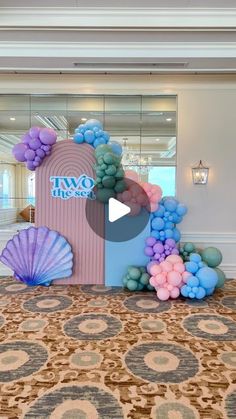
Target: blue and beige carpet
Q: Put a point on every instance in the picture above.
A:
(90, 352)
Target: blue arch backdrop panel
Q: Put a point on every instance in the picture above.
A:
(119, 255)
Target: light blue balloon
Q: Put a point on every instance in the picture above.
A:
(78, 138)
(99, 141)
(99, 133)
(170, 204)
(176, 235)
(169, 234)
(192, 267)
(106, 135)
(191, 295)
(155, 234)
(116, 147)
(175, 218)
(160, 212)
(193, 282)
(184, 290)
(207, 277)
(209, 291)
(169, 225)
(92, 123)
(158, 223)
(181, 209)
(89, 136)
(201, 293)
(195, 257)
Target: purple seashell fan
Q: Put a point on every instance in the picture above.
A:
(38, 256)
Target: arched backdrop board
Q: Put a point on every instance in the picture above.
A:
(68, 216)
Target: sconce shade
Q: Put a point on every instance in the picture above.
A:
(200, 174)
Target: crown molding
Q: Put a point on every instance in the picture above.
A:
(118, 49)
(115, 17)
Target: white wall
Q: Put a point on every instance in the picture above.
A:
(206, 130)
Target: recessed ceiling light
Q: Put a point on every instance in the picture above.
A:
(157, 139)
(12, 118)
(168, 119)
(84, 119)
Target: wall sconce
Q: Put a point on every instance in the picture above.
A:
(200, 174)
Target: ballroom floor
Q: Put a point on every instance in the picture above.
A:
(89, 352)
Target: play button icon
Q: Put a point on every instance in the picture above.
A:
(117, 210)
(115, 221)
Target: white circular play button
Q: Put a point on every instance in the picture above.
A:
(117, 210)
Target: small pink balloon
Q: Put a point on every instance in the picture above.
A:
(179, 267)
(134, 208)
(155, 269)
(126, 195)
(170, 287)
(174, 293)
(174, 259)
(163, 294)
(141, 199)
(174, 278)
(160, 279)
(186, 275)
(153, 207)
(152, 281)
(166, 266)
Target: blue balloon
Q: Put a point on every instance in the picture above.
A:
(181, 209)
(193, 282)
(184, 290)
(209, 291)
(116, 147)
(169, 234)
(99, 141)
(201, 293)
(195, 257)
(158, 223)
(175, 218)
(192, 267)
(78, 138)
(169, 225)
(160, 212)
(170, 204)
(106, 135)
(92, 123)
(89, 136)
(176, 235)
(207, 277)
(155, 234)
(99, 133)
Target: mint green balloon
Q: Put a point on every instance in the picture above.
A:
(221, 278)
(189, 247)
(102, 149)
(120, 186)
(108, 182)
(111, 170)
(211, 256)
(103, 195)
(103, 166)
(109, 158)
(132, 285)
(134, 273)
(144, 279)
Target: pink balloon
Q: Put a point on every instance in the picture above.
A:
(160, 279)
(126, 195)
(155, 269)
(166, 266)
(174, 278)
(153, 207)
(179, 267)
(174, 259)
(163, 294)
(134, 208)
(186, 275)
(174, 293)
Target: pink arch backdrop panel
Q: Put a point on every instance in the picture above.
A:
(68, 216)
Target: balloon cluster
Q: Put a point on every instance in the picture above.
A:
(139, 194)
(137, 279)
(109, 173)
(186, 249)
(159, 251)
(202, 280)
(168, 277)
(91, 132)
(34, 146)
(164, 220)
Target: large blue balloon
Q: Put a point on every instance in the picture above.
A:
(78, 138)
(158, 223)
(116, 147)
(207, 277)
(170, 204)
(92, 123)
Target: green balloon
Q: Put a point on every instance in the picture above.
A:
(103, 166)
(189, 247)
(120, 186)
(109, 182)
(212, 256)
(111, 170)
(144, 279)
(221, 278)
(134, 273)
(109, 158)
(100, 161)
(140, 287)
(150, 287)
(100, 173)
(102, 149)
(99, 185)
(120, 173)
(132, 285)
(142, 269)
(125, 280)
(103, 195)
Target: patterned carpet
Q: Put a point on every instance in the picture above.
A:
(101, 353)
